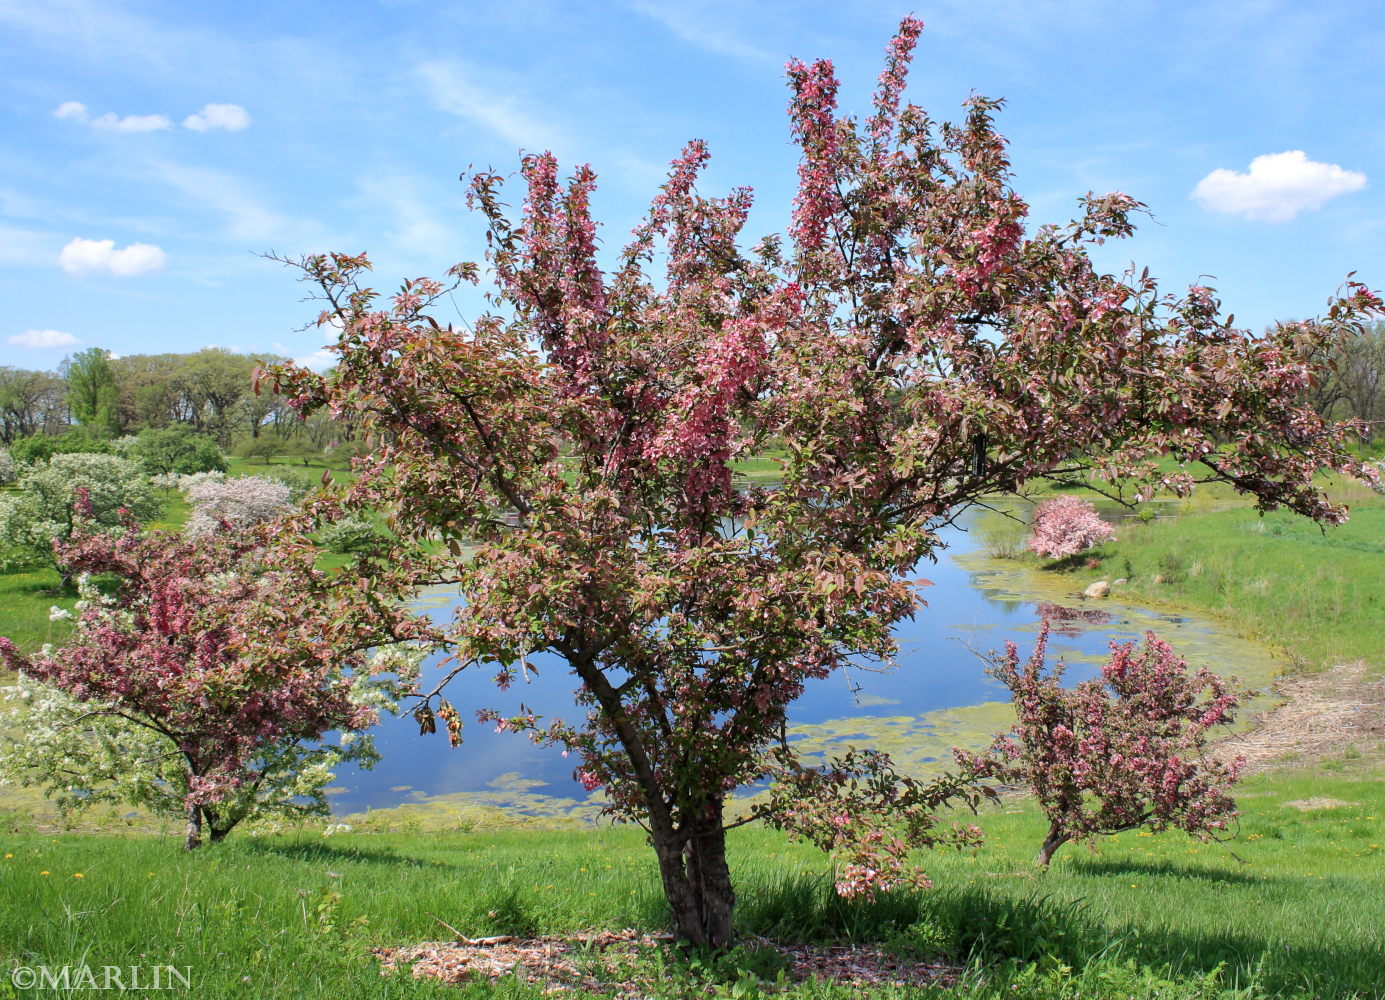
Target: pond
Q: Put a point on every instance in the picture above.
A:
(939, 697)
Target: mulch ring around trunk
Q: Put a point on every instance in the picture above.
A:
(631, 964)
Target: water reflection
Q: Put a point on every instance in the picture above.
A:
(940, 695)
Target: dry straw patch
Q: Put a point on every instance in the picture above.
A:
(1322, 716)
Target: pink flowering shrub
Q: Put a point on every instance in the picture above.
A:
(242, 502)
(1067, 525)
(214, 649)
(1125, 751)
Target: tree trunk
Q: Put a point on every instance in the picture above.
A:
(697, 885)
(193, 838)
(1056, 839)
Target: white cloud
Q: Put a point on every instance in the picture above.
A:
(248, 218)
(71, 109)
(1277, 187)
(319, 360)
(90, 256)
(454, 92)
(41, 340)
(704, 29)
(231, 117)
(111, 122)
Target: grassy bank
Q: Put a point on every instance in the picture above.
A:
(1317, 593)
(1300, 915)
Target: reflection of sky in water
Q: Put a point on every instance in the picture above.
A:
(973, 607)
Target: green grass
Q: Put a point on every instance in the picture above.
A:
(26, 598)
(1302, 914)
(1319, 594)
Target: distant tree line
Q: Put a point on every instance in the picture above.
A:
(210, 391)
(1354, 385)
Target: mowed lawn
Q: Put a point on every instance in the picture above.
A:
(1297, 910)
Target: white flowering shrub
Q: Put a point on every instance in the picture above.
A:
(123, 447)
(1378, 483)
(9, 468)
(41, 507)
(242, 502)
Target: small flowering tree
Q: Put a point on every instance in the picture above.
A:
(568, 460)
(1122, 752)
(241, 503)
(202, 687)
(40, 511)
(1065, 526)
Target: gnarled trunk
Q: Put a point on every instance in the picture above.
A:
(697, 884)
(1056, 838)
(192, 838)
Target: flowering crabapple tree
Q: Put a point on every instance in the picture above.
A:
(240, 503)
(911, 344)
(1122, 752)
(1065, 526)
(40, 510)
(201, 687)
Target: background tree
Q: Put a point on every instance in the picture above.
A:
(40, 510)
(1351, 383)
(30, 403)
(178, 450)
(1122, 752)
(1065, 526)
(91, 391)
(201, 688)
(910, 349)
(74, 441)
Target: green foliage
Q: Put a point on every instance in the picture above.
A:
(351, 534)
(92, 395)
(176, 450)
(42, 447)
(261, 449)
(1315, 593)
(40, 508)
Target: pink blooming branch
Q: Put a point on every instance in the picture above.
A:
(216, 645)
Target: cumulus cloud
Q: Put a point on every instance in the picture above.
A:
(319, 360)
(39, 340)
(100, 256)
(71, 109)
(231, 117)
(111, 122)
(1277, 187)
(131, 123)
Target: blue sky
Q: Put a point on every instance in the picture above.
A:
(149, 152)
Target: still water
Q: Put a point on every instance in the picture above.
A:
(939, 696)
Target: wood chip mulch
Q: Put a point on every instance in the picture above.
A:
(607, 962)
